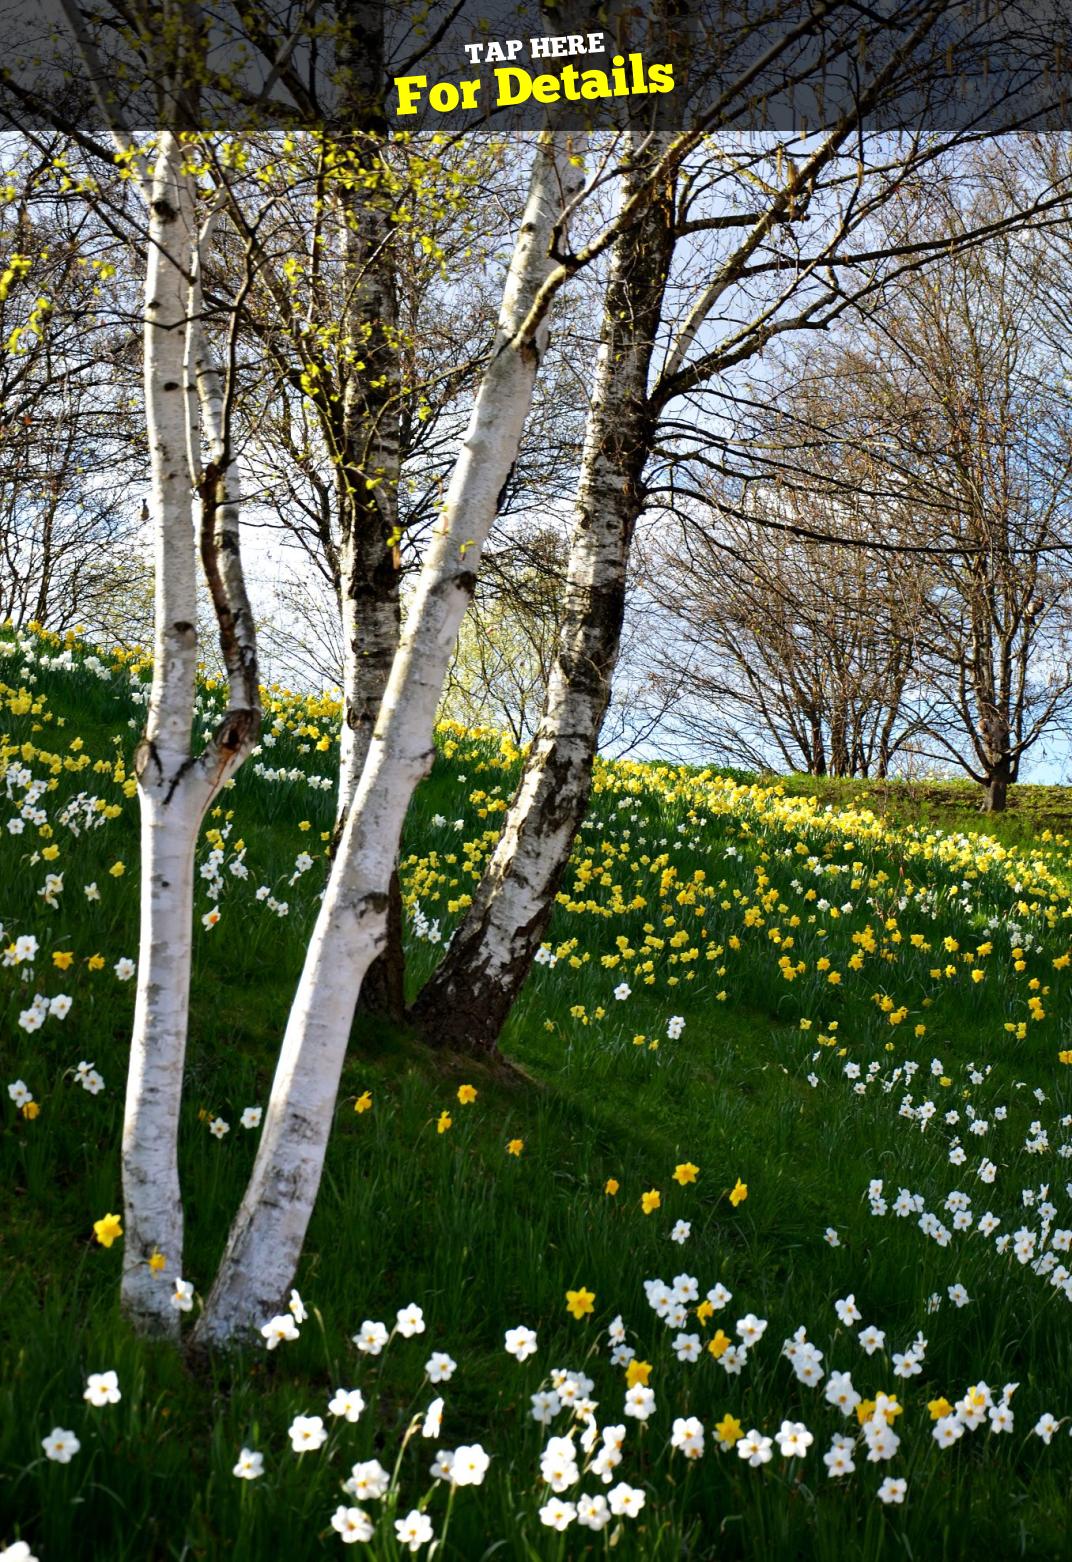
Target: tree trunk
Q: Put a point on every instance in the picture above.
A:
(467, 1000)
(152, 1201)
(368, 473)
(384, 989)
(996, 789)
(152, 1221)
(266, 1238)
(999, 762)
(174, 786)
(368, 451)
(371, 621)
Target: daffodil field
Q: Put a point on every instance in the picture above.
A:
(759, 1249)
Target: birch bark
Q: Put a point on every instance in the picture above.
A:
(152, 1200)
(266, 1238)
(369, 463)
(369, 434)
(174, 786)
(468, 998)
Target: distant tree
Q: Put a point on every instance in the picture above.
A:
(972, 409)
(506, 648)
(891, 519)
(69, 445)
(782, 650)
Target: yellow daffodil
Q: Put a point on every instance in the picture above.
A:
(579, 1303)
(107, 1229)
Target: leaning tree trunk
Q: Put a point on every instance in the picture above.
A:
(468, 998)
(266, 1238)
(175, 787)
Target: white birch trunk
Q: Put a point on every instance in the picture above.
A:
(266, 1238)
(370, 633)
(367, 448)
(152, 1201)
(369, 464)
(175, 787)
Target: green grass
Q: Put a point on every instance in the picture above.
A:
(483, 1240)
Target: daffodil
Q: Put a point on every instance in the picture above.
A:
(107, 1229)
(580, 1303)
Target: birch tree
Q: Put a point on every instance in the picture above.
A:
(192, 511)
(345, 261)
(189, 495)
(474, 988)
(266, 1238)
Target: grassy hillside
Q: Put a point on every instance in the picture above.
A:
(952, 804)
(874, 1015)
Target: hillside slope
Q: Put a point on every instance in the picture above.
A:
(777, 1054)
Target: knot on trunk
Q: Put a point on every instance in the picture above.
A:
(143, 755)
(237, 729)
